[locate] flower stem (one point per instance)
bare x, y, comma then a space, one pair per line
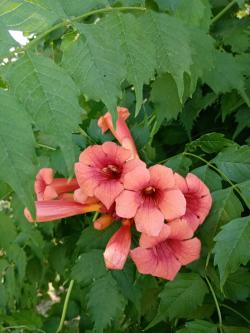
65, 306
234, 186
216, 304
68, 23
236, 312
224, 10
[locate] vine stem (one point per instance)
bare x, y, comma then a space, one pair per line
65, 306
234, 186
216, 304
224, 10
236, 312
69, 22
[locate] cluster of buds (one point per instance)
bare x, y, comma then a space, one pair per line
159, 204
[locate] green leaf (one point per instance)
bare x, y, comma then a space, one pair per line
226, 207
89, 266
6, 42
245, 189
210, 143
235, 163
16, 148
231, 248
194, 12
30, 16
95, 62
7, 231
95, 239
193, 107
172, 46
221, 80
237, 286
198, 326
180, 296
209, 177
242, 117
235, 329
50, 96
78, 7
179, 163
105, 302
165, 97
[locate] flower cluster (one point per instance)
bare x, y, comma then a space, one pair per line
162, 206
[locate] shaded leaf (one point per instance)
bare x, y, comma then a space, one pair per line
209, 177
237, 286
198, 326
231, 248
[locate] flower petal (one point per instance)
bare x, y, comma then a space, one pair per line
180, 229
137, 179
117, 249
93, 156
87, 177
161, 177
180, 183
168, 266
107, 192
148, 218
80, 196
147, 241
186, 251
127, 204
117, 154
144, 259
172, 204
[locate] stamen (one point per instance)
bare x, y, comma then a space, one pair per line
149, 190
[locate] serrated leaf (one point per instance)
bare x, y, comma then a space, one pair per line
210, 143
89, 267
231, 248
179, 163
194, 13
237, 286
6, 42
180, 296
78, 7
30, 16
139, 53
198, 326
193, 107
95, 239
235, 329
221, 80
96, 63
235, 163
105, 302
209, 177
172, 46
8, 231
245, 189
165, 97
242, 117
226, 207
50, 96
16, 148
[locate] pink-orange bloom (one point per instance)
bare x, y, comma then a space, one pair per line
57, 209
47, 187
122, 132
150, 196
118, 247
101, 169
198, 198
164, 255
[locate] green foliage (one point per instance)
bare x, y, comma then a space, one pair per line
231, 247
105, 302
181, 296
182, 68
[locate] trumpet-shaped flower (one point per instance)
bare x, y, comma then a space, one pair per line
164, 255
198, 198
118, 247
101, 169
121, 132
47, 187
150, 196
51, 210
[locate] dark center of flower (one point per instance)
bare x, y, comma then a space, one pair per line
150, 190
111, 171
